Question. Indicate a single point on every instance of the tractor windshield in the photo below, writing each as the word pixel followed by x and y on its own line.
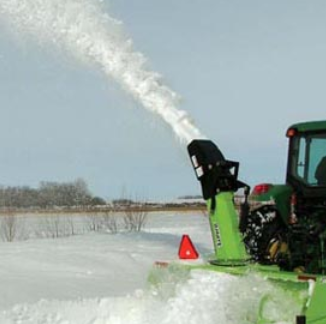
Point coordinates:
pixel 309 159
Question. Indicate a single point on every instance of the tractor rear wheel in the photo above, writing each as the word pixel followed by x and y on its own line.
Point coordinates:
pixel 265 235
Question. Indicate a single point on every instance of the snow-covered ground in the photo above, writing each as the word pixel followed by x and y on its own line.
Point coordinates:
pixel 101 278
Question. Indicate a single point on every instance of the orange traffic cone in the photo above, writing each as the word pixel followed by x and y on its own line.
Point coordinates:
pixel 186 249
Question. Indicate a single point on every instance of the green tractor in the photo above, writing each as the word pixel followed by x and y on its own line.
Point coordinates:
pixel 286 224
pixel 281 232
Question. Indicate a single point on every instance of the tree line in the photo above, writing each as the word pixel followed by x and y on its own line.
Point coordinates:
pixel 49 195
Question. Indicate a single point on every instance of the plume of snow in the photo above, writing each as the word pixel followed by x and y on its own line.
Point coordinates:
pixel 88 33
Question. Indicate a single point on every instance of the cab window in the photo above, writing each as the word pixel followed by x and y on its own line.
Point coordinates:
pixel 308 164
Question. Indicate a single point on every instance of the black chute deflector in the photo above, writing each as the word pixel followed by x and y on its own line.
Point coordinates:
pixel 214 172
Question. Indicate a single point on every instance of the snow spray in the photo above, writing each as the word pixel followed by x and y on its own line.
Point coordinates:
pixel 206 298
pixel 88 33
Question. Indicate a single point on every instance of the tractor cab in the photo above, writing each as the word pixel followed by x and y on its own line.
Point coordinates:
pixel 306 172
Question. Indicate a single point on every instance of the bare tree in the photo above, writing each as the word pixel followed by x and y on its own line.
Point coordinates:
pixel 135 219
pixel 70 225
pixel 11 227
pixel 110 222
pixel 94 222
pixel 50 194
pixel 54 226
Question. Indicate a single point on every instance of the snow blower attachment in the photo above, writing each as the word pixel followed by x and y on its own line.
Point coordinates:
pixel 219 180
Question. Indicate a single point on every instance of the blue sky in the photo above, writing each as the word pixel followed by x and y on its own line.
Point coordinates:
pixel 246 70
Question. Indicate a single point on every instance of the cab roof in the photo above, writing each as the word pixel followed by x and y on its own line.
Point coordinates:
pixel 310 126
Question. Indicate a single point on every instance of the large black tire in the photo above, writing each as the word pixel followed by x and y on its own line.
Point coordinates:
pixel 264 235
